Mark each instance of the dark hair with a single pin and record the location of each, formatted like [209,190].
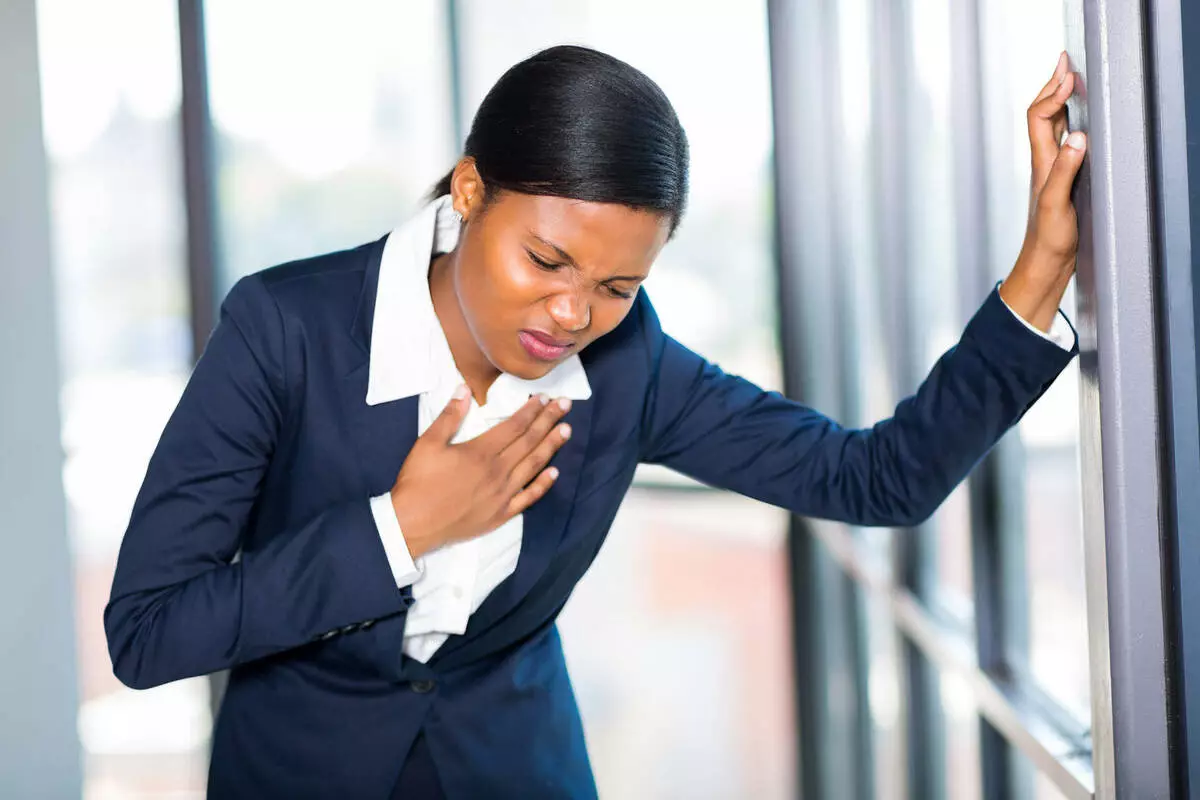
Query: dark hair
[574,122]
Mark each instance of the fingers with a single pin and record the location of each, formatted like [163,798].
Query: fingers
[450,420]
[528,441]
[533,492]
[1047,120]
[1057,192]
[535,460]
[1060,69]
[513,428]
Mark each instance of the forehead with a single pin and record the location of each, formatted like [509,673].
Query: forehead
[603,236]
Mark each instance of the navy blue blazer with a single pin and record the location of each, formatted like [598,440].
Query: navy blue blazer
[251,546]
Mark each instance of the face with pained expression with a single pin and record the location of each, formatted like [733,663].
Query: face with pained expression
[536,279]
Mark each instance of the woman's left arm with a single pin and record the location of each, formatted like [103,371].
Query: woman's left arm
[727,432]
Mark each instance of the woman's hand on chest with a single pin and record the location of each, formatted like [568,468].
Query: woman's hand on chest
[452,492]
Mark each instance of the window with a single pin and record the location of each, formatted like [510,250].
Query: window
[110,99]
[319,154]
[915,226]
[1024,40]
[936,313]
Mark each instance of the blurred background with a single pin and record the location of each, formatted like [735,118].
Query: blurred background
[188,144]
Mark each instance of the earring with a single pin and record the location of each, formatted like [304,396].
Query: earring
[458,218]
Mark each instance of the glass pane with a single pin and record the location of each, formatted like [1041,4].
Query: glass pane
[651,597]
[110,99]
[1021,45]
[885,698]
[933,266]
[964,773]
[872,397]
[320,153]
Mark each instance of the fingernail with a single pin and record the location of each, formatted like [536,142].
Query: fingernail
[564,431]
[461,392]
[1077,140]
[564,403]
[553,473]
[543,398]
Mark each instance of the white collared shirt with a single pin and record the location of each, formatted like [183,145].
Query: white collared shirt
[410,356]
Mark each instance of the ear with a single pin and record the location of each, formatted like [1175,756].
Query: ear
[466,188]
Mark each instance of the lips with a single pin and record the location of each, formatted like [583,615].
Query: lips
[544,347]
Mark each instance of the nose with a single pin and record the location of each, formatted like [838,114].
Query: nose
[570,311]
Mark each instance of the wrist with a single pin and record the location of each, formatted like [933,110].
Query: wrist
[417,536]
[1035,287]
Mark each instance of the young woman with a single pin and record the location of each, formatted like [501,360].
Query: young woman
[392,464]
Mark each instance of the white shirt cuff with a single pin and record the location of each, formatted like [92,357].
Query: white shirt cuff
[404,569]
[1060,331]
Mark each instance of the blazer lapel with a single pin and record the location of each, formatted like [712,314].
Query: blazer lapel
[381,435]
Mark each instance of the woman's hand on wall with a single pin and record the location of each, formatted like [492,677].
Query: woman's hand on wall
[1035,287]
[451,492]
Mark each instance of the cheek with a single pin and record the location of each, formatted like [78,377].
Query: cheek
[498,290]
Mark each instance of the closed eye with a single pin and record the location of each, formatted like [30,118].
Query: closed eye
[542,263]
[615,292]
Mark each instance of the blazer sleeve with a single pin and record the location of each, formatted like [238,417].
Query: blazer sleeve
[727,432]
[181,603]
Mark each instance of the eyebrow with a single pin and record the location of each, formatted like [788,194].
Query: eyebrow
[565,256]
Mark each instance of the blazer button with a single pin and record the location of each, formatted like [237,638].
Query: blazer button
[423,687]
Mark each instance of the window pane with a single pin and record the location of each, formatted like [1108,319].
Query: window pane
[937,317]
[1021,45]
[886,699]
[320,153]
[964,773]
[110,99]
[693,592]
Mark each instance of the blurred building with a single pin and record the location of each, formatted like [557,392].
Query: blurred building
[859,183]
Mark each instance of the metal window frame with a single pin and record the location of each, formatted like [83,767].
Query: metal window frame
[913,550]
[1131,697]
[1121,407]
[1174,104]
[804,251]
[200,205]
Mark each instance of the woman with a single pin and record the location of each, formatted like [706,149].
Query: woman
[392,464]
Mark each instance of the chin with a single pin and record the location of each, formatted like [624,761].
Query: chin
[521,365]
[529,370]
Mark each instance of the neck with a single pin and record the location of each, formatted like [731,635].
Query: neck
[472,364]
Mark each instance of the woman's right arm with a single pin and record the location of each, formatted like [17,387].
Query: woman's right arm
[180,605]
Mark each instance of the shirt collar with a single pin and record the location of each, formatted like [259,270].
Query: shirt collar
[408,350]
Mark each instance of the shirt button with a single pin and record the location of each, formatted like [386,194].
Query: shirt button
[423,687]
[458,593]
